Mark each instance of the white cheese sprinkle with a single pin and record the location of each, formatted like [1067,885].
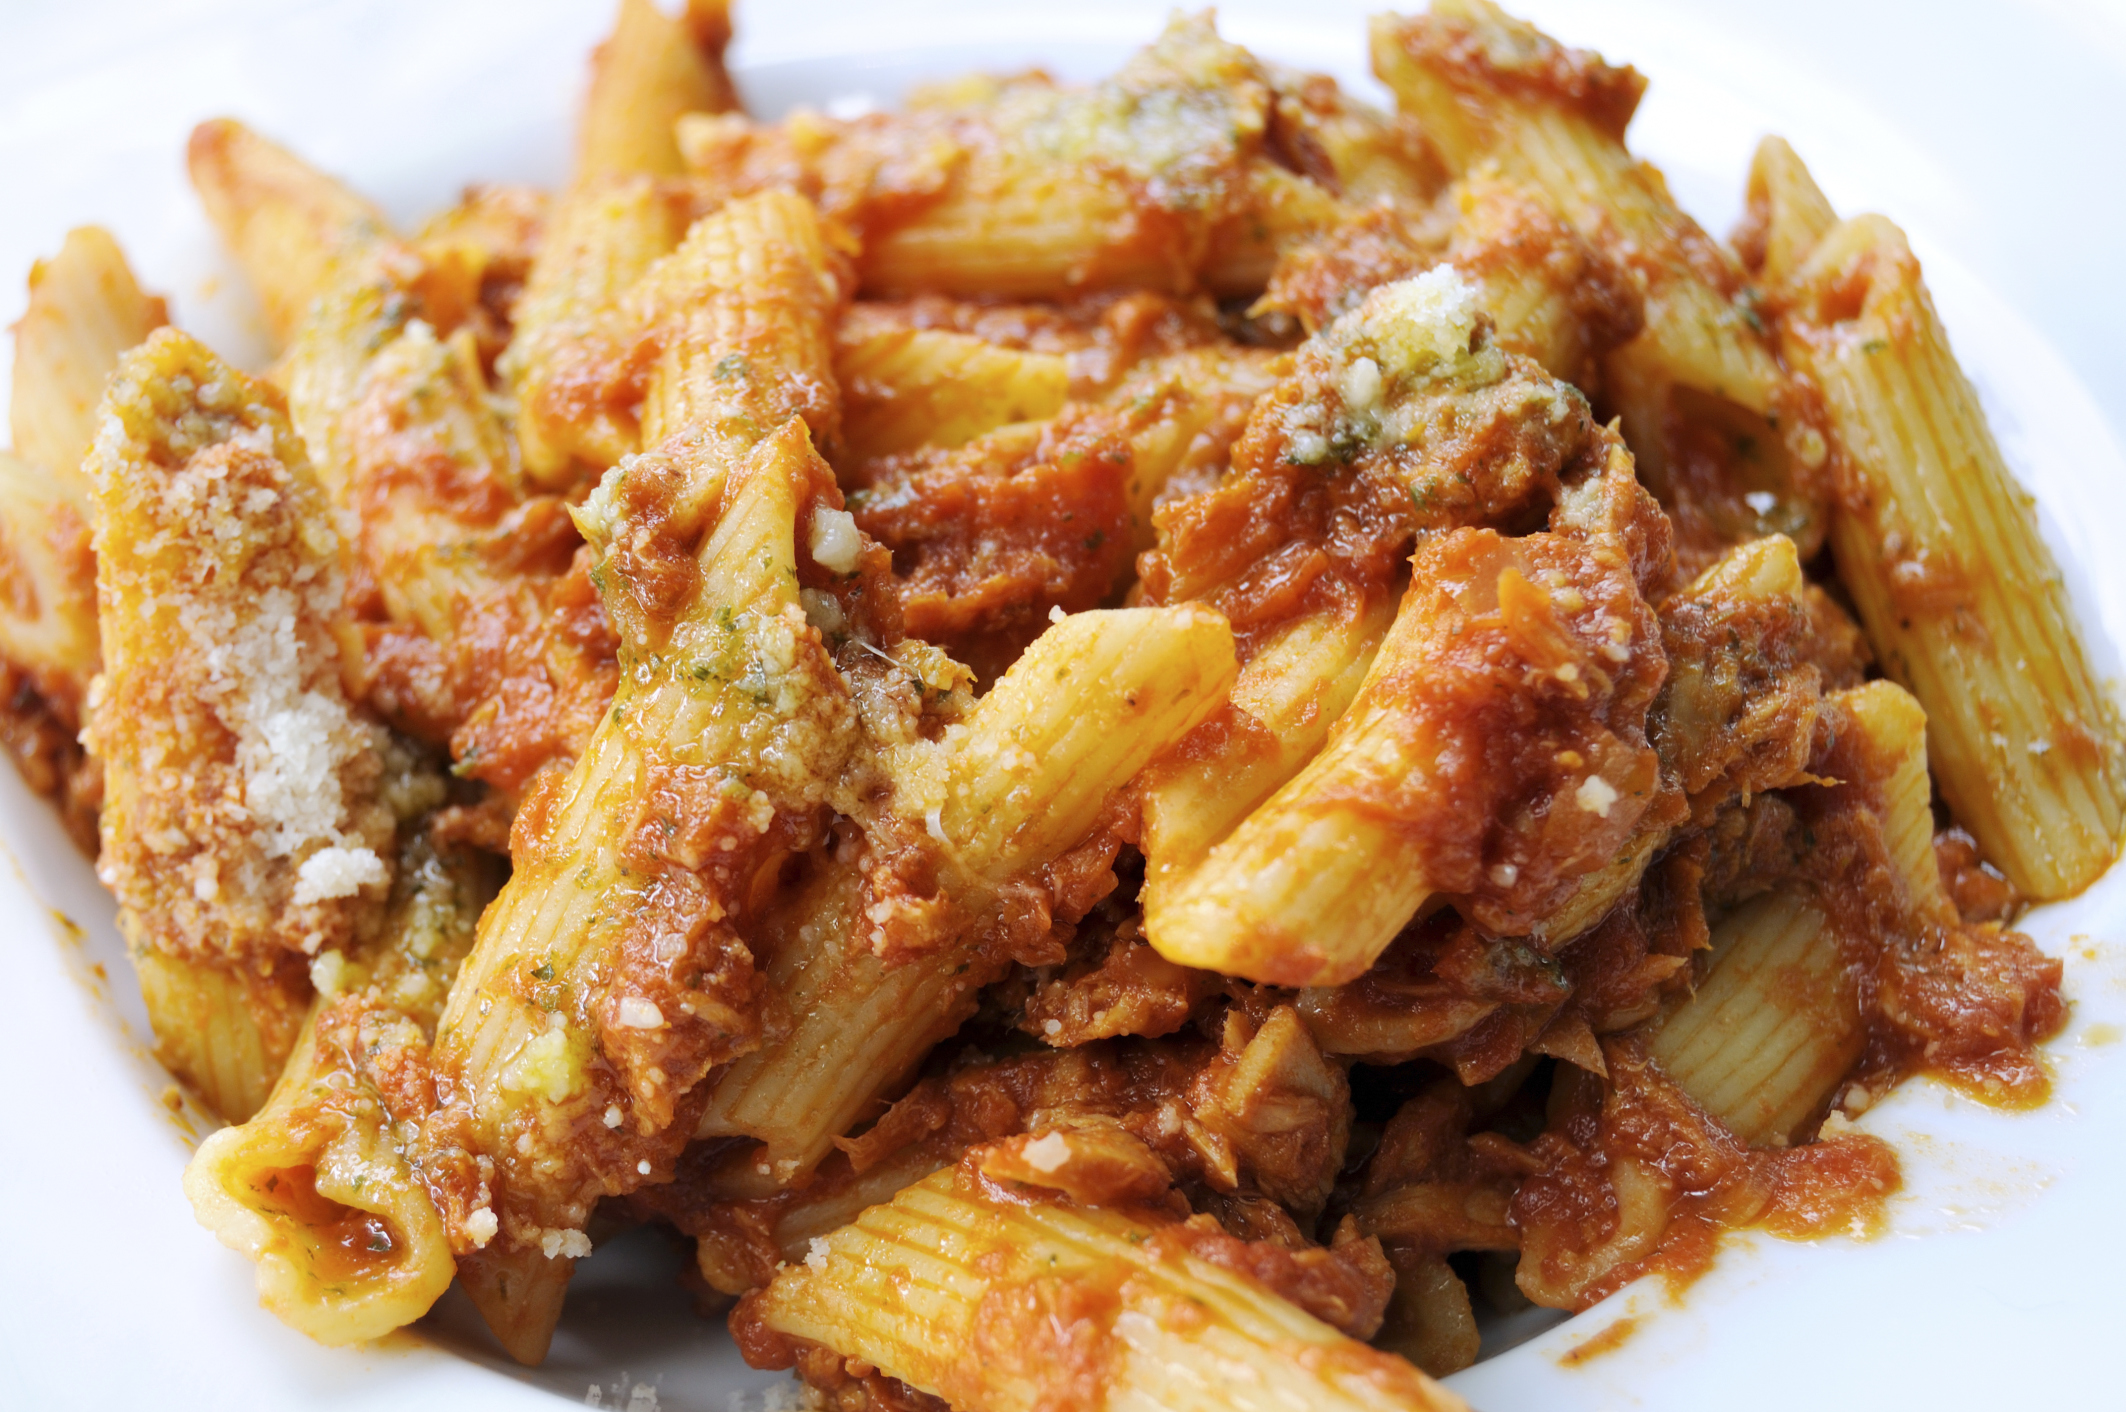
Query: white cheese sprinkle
[328,974]
[337,872]
[836,545]
[481,1225]
[1595,795]
[639,1014]
[1361,384]
[573,1244]
[1047,1154]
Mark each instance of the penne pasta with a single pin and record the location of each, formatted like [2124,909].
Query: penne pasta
[48,610]
[1941,553]
[492,641]
[569,363]
[1785,214]
[955,1289]
[632,872]
[482,248]
[910,387]
[85,309]
[1039,191]
[227,1031]
[1283,705]
[317,1188]
[719,370]
[219,593]
[651,70]
[1774,1026]
[972,803]
[632,937]
[291,227]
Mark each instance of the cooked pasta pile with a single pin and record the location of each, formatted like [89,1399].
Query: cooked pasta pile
[1131,745]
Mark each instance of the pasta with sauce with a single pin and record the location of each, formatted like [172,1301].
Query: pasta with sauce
[1128,744]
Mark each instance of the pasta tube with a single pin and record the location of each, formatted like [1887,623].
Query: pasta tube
[731,363]
[1159,177]
[910,387]
[1284,702]
[609,976]
[568,363]
[1959,595]
[226,1030]
[317,1188]
[967,1286]
[85,309]
[491,643]
[337,284]
[1785,214]
[219,589]
[291,226]
[652,69]
[629,879]
[1774,1026]
[48,611]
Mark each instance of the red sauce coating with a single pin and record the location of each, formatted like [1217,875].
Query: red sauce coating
[988,539]
[344,1242]
[1638,1179]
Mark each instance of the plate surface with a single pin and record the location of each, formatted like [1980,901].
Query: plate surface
[1988,130]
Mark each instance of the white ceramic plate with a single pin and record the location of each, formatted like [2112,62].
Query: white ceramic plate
[1988,130]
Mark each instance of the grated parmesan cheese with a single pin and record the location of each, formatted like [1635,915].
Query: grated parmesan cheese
[542,1067]
[481,1226]
[331,974]
[338,872]
[1595,795]
[635,1013]
[1047,1153]
[572,1244]
[836,546]
[1407,336]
